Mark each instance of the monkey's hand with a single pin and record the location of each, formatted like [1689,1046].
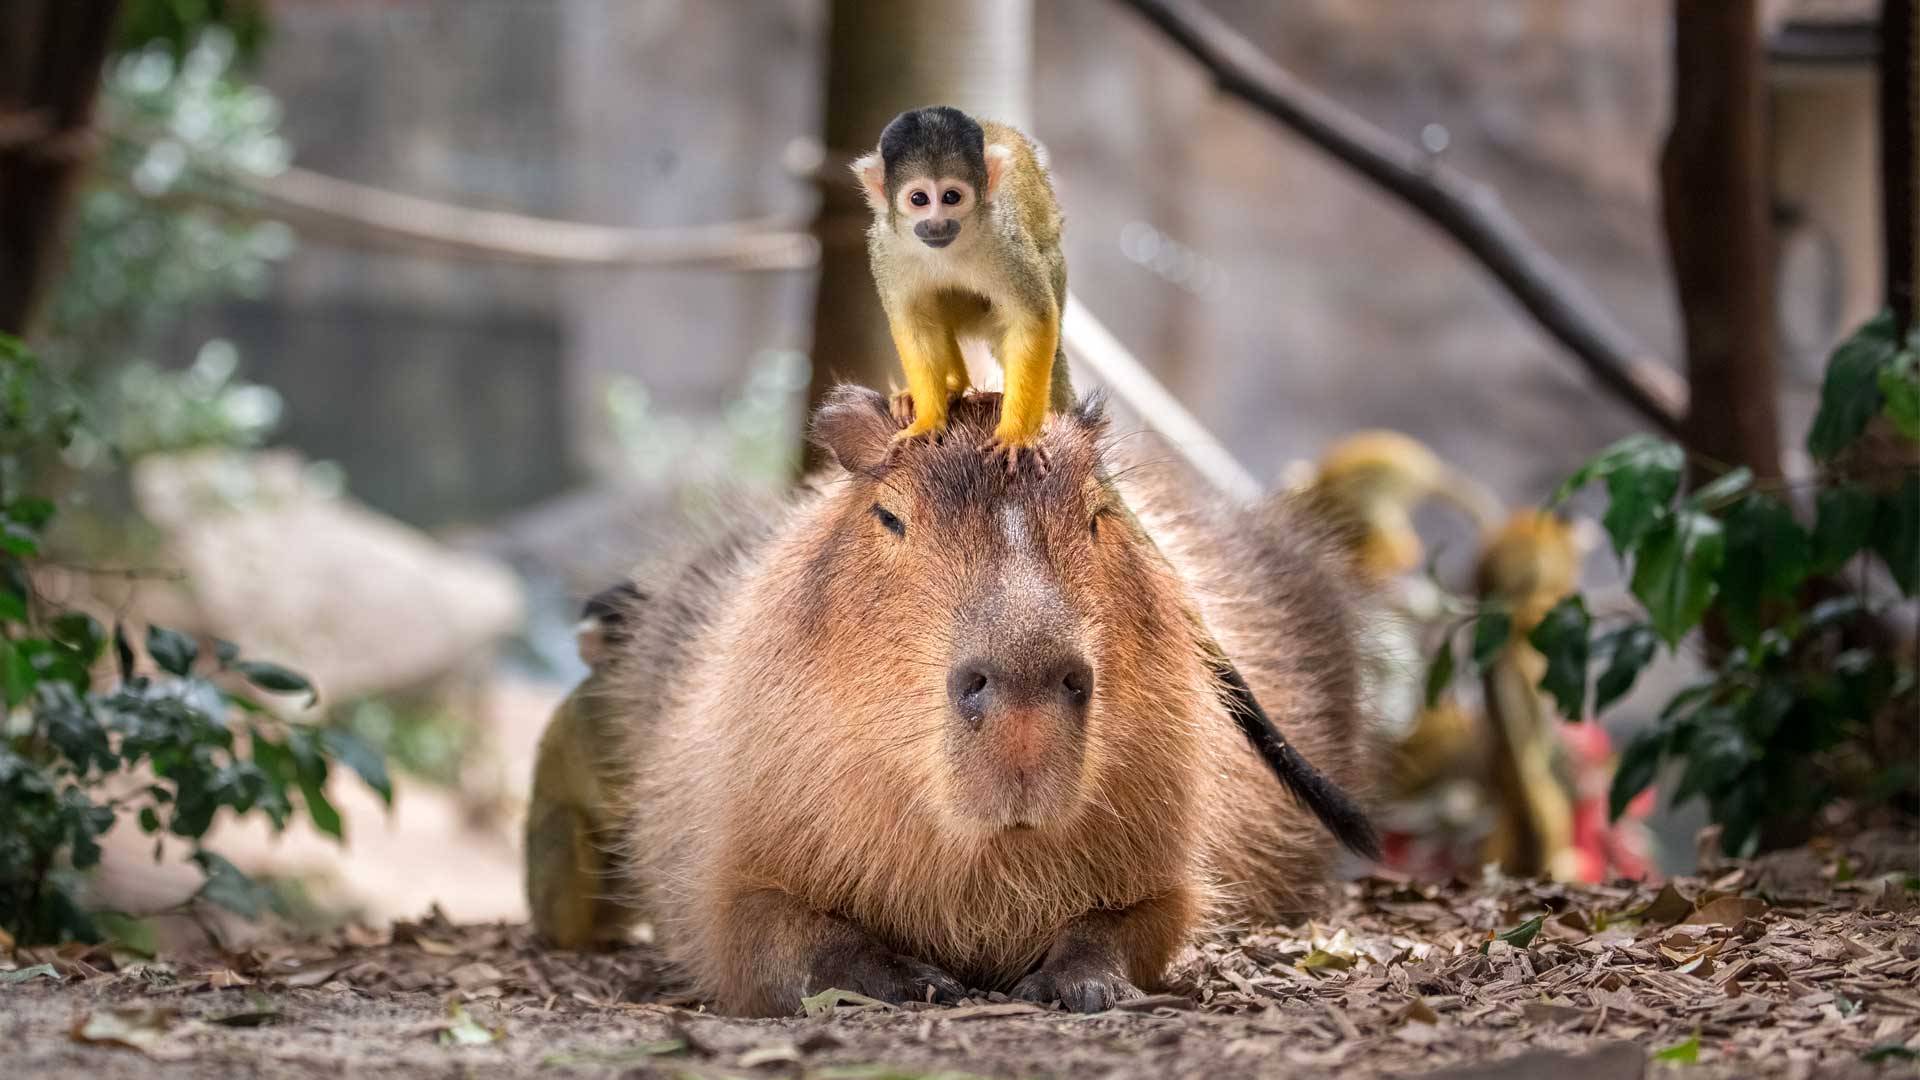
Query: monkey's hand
[1017,456]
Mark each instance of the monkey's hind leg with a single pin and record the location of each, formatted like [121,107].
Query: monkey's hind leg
[1027,363]
[929,354]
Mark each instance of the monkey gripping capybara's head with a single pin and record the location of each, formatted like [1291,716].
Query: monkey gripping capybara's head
[994,611]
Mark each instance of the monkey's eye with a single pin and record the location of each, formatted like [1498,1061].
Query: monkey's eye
[951,197]
[887,519]
[919,198]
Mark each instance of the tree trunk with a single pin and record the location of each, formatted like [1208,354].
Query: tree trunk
[884,57]
[1713,180]
[51,52]
[1900,153]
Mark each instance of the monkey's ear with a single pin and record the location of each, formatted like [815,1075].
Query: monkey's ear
[854,425]
[873,180]
[999,159]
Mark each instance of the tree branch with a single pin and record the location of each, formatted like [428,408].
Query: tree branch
[1462,207]
[328,206]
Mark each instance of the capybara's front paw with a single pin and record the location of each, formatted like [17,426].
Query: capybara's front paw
[1081,986]
[872,970]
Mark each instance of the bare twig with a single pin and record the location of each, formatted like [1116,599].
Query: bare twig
[325,205]
[1462,207]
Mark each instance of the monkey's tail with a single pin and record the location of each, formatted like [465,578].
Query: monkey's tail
[1334,807]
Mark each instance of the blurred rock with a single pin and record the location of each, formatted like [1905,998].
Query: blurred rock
[276,559]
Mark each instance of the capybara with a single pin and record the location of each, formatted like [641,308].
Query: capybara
[925,726]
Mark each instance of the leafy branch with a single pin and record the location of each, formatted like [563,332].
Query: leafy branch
[1792,681]
[93,735]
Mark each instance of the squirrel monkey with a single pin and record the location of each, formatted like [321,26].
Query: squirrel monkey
[965,243]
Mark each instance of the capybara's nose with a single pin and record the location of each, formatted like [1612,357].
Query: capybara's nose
[981,687]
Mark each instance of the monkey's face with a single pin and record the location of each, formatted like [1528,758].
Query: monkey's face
[1004,626]
[932,169]
[933,208]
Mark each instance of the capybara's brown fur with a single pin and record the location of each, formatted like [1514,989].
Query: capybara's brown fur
[928,726]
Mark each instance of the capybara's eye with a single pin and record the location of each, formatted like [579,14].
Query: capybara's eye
[892,522]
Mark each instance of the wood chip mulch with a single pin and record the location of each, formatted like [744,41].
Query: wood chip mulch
[1803,965]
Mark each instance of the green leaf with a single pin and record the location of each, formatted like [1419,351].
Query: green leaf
[1638,453]
[1490,633]
[171,649]
[1639,764]
[1728,485]
[81,632]
[357,754]
[1520,936]
[1768,555]
[27,974]
[1642,473]
[1850,396]
[1899,384]
[280,680]
[1717,754]
[1842,522]
[227,886]
[1896,533]
[1674,572]
[325,817]
[1886,1051]
[1686,1053]
[1628,650]
[18,539]
[31,511]
[1561,637]
[17,677]
[1440,673]
[15,589]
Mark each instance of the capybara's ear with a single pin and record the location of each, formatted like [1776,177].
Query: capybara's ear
[854,425]
[1091,412]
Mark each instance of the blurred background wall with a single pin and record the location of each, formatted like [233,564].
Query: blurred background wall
[1243,266]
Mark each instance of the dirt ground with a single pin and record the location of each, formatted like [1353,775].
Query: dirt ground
[1804,965]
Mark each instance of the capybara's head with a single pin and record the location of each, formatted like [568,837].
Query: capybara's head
[1011,633]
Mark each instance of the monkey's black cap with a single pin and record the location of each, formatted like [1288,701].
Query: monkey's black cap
[938,140]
